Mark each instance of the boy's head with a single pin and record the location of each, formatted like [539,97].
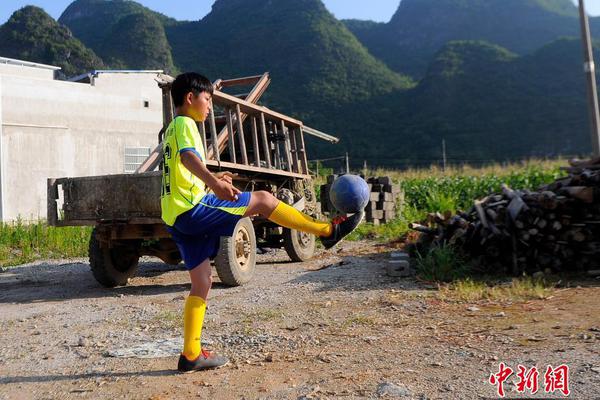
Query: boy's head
[192,95]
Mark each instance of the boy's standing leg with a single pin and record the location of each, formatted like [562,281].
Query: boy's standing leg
[193,356]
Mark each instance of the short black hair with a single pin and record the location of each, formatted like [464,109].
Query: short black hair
[189,82]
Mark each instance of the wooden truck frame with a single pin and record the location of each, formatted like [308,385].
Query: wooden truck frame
[265,148]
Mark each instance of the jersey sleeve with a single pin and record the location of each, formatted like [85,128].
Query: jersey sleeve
[187,138]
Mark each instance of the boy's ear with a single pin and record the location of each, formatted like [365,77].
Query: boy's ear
[189,97]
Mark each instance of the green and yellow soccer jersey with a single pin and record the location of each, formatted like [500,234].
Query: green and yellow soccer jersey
[181,190]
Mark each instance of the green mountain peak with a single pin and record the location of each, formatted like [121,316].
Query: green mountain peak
[33,35]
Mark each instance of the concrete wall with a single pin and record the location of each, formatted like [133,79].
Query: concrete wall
[39,73]
[58,129]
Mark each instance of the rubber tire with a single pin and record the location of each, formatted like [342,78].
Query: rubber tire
[112,267]
[295,249]
[230,271]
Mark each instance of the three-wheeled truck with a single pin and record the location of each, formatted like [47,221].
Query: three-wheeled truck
[263,147]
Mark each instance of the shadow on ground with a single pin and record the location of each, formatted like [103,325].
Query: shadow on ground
[57,282]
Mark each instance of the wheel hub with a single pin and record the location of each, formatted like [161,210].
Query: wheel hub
[242,247]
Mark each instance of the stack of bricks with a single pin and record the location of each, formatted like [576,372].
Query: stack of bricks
[385,196]
[382,206]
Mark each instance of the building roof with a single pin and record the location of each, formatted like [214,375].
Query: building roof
[88,77]
[22,63]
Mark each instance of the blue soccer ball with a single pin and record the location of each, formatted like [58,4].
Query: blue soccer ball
[349,193]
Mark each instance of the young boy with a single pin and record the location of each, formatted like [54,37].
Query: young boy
[197,220]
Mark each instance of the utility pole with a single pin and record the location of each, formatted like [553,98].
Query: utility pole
[347,164]
[590,73]
[444,155]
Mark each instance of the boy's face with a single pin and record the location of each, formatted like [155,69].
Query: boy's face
[199,106]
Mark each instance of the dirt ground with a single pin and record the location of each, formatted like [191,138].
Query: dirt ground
[335,327]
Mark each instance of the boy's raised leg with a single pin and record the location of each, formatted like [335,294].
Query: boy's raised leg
[282,214]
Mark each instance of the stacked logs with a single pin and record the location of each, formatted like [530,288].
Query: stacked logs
[385,197]
[556,228]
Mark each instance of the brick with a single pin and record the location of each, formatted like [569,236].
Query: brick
[372,205]
[384,180]
[374,196]
[386,197]
[386,205]
[398,268]
[375,214]
[389,214]
[392,189]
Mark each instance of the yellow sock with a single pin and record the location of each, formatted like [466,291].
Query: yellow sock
[193,318]
[288,217]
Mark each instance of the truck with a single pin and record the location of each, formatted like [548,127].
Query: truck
[264,148]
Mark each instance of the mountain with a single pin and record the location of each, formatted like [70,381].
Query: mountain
[316,64]
[124,33]
[487,103]
[419,28]
[31,34]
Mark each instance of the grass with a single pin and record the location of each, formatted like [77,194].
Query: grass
[431,190]
[425,190]
[442,264]
[21,242]
[518,289]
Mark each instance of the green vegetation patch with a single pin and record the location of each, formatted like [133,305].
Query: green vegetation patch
[21,243]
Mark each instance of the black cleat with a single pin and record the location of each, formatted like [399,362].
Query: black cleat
[206,360]
[342,226]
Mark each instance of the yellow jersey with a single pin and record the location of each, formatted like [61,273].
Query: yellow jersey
[181,190]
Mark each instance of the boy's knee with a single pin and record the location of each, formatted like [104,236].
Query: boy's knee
[267,198]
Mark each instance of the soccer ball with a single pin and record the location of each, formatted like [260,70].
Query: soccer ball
[349,193]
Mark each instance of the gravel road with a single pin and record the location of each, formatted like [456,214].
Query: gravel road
[334,327]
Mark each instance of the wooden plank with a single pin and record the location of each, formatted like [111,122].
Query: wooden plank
[277,147]
[240,129]
[265,140]
[294,150]
[224,165]
[213,137]
[255,147]
[167,106]
[202,130]
[231,141]
[251,108]
[303,158]
[286,146]
[253,97]
[52,196]
[152,161]
[249,80]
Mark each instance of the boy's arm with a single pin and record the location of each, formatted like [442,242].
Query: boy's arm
[221,187]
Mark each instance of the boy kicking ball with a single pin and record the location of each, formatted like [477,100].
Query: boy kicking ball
[197,219]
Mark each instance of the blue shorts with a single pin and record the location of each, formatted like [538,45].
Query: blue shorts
[198,232]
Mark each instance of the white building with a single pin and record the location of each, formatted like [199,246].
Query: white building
[94,125]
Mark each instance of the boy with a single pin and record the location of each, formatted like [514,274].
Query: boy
[197,220]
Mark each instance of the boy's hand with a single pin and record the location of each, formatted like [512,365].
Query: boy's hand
[226,176]
[225,191]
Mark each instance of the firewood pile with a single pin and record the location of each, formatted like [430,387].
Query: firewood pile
[553,229]
[385,198]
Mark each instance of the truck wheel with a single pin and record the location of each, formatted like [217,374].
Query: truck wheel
[112,266]
[300,246]
[236,261]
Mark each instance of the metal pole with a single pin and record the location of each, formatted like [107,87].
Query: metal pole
[347,164]
[444,154]
[590,74]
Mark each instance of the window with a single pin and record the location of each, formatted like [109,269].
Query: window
[134,157]
[146,104]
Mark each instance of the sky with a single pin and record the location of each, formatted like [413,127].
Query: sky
[376,10]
